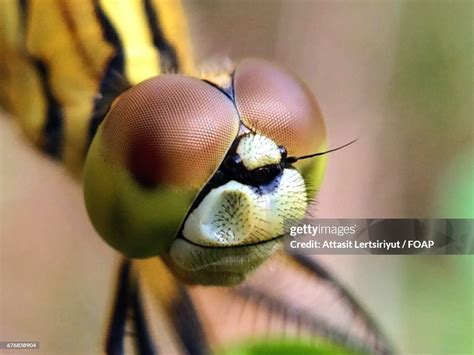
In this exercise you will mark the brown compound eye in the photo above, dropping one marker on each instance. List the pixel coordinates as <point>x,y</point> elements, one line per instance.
<point>170,130</point>
<point>275,103</point>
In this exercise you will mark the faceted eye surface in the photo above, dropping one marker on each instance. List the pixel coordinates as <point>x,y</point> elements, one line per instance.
<point>273,102</point>
<point>170,130</point>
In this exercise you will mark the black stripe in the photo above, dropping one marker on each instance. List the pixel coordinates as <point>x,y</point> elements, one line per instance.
<point>143,339</point>
<point>114,70</point>
<point>24,9</point>
<point>187,324</point>
<point>168,59</point>
<point>116,332</point>
<point>53,129</point>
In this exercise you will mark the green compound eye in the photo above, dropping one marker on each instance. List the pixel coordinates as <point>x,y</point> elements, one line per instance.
<point>159,144</point>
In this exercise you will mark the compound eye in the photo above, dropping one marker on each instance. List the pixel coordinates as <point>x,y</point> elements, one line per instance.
<point>170,130</point>
<point>273,102</point>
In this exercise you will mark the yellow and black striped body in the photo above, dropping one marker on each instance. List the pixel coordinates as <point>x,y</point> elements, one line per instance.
<point>57,58</point>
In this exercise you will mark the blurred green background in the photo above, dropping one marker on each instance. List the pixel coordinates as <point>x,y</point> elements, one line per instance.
<point>397,75</point>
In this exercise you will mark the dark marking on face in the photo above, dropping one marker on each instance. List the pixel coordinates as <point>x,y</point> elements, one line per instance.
<point>263,180</point>
<point>235,169</point>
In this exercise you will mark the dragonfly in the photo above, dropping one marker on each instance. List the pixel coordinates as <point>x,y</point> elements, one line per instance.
<point>189,174</point>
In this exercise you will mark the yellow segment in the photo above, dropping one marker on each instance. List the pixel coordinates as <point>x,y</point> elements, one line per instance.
<point>129,20</point>
<point>160,281</point>
<point>95,51</point>
<point>173,23</point>
<point>49,38</point>
<point>20,89</point>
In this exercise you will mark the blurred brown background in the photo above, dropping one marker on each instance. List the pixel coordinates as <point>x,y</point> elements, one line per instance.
<point>395,74</point>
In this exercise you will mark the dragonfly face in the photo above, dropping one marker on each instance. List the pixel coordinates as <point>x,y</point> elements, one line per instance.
<point>198,173</point>
<point>239,217</point>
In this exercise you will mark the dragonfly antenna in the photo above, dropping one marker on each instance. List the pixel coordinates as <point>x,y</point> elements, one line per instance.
<point>291,160</point>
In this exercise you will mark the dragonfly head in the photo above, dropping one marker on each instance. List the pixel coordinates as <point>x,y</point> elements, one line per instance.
<point>201,173</point>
